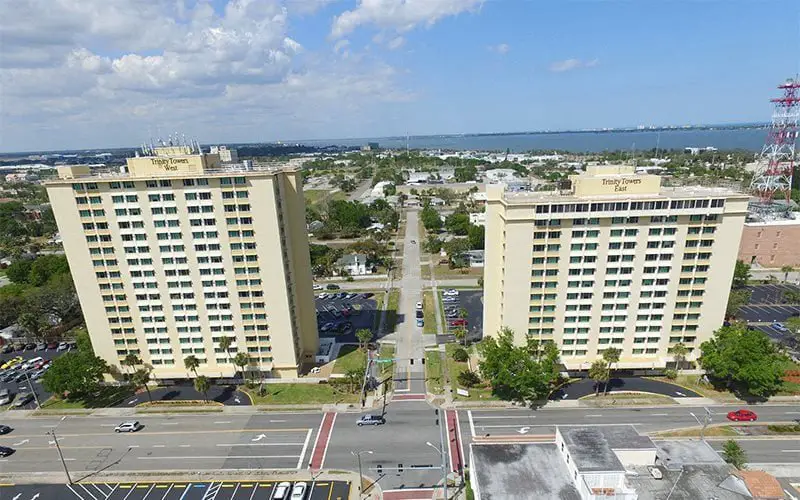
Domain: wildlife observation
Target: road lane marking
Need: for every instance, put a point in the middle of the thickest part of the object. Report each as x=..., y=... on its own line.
x=276, y=421
x=471, y=423
x=792, y=412
x=659, y=414
x=210, y=457
x=262, y=444
x=594, y=415
x=87, y=491
x=223, y=422
x=158, y=446
x=305, y=447
x=510, y=426
x=170, y=423
x=790, y=451
x=160, y=433
x=506, y=416
x=185, y=446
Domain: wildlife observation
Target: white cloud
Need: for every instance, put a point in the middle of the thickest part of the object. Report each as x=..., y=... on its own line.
x=571, y=64
x=81, y=73
x=400, y=15
x=396, y=43
x=306, y=6
x=501, y=48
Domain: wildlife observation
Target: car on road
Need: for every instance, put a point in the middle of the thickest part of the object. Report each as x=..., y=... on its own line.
x=413, y=242
x=12, y=362
x=5, y=396
x=370, y=420
x=332, y=286
x=4, y=429
x=23, y=398
x=299, y=491
x=282, y=491
x=6, y=451
x=63, y=346
x=419, y=305
x=780, y=327
x=130, y=426
x=317, y=286
x=742, y=416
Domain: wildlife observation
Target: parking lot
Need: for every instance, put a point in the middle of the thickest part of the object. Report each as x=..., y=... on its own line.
x=217, y=490
x=340, y=314
x=472, y=301
x=16, y=387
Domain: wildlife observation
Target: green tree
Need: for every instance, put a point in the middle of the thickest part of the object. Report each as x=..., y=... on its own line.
x=225, y=344
x=34, y=324
x=242, y=360
x=679, y=352
x=465, y=174
x=457, y=223
x=741, y=274
x=734, y=454
x=455, y=249
x=433, y=244
x=19, y=270
x=75, y=374
x=460, y=334
x=476, y=236
x=611, y=356
x=786, y=270
x=46, y=266
x=131, y=360
x=141, y=379
x=57, y=298
x=191, y=363
x=353, y=378
x=744, y=359
x=364, y=335
x=519, y=373
x=202, y=384
x=793, y=324
x=737, y=298
x=792, y=297
x=460, y=354
x=389, y=190
x=468, y=378
x=430, y=218
x=600, y=374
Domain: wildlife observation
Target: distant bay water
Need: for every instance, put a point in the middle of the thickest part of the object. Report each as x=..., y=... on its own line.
x=577, y=142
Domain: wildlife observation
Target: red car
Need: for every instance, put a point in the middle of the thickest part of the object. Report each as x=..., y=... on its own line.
x=458, y=322
x=742, y=416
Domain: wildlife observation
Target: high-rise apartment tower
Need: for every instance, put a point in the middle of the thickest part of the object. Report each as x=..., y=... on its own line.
x=616, y=260
x=178, y=251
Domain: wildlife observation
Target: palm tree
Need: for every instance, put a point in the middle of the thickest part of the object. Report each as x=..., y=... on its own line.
x=242, y=360
x=131, y=360
x=786, y=270
x=600, y=374
x=679, y=352
x=191, y=363
x=225, y=344
x=141, y=378
x=202, y=384
x=460, y=334
x=611, y=356
x=364, y=335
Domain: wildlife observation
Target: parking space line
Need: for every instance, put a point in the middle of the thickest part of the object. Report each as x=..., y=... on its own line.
x=133, y=488
x=186, y=490
x=152, y=487
x=87, y=491
x=167, y=492
x=75, y=492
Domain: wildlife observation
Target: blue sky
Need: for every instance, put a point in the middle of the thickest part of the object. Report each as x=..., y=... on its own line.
x=262, y=70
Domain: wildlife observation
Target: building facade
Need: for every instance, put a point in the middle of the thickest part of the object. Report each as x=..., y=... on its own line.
x=771, y=243
x=615, y=261
x=180, y=251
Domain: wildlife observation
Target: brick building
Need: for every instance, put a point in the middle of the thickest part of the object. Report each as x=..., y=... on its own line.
x=773, y=243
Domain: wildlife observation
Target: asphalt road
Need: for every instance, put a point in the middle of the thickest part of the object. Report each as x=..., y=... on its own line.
x=219, y=490
x=586, y=387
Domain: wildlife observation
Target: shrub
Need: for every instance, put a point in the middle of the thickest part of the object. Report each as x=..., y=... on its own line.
x=671, y=374
x=468, y=378
x=460, y=355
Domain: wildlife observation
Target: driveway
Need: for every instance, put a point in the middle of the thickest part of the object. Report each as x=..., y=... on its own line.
x=227, y=395
x=586, y=387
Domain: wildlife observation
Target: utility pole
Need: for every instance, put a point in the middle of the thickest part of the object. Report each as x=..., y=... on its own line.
x=60, y=455
x=357, y=454
x=706, y=420
x=35, y=397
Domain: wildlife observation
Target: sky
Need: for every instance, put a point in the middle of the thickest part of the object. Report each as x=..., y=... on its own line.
x=114, y=73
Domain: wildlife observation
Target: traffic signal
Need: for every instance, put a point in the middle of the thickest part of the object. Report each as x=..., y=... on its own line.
x=412, y=361
x=380, y=469
x=400, y=468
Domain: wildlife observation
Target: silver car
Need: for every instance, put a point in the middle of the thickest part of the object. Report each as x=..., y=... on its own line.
x=5, y=396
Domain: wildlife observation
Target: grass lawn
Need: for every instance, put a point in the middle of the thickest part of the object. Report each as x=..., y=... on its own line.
x=425, y=271
x=444, y=271
x=454, y=368
x=387, y=352
x=391, y=310
x=318, y=195
x=429, y=312
x=434, y=378
x=105, y=397
x=350, y=358
x=706, y=390
x=710, y=431
x=297, y=394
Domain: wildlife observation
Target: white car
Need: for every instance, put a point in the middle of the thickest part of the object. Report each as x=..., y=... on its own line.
x=780, y=327
x=318, y=287
x=282, y=491
x=322, y=296
x=131, y=426
x=299, y=491
x=419, y=305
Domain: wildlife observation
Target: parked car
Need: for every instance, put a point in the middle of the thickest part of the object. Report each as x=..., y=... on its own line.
x=452, y=292
x=458, y=322
x=420, y=322
x=23, y=398
x=63, y=346
x=21, y=377
x=130, y=426
x=4, y=429
x=52, y=345
x=742, y=416
x=332, y=286
x=19, y=347
x=6, y=451
x=5, y=396
x=41, y=346
x=419, y=305
x=8, y=348
x=30, y=346
x=299, y=491
x=449, y=300
x=327, y=326
x=317, y=286
x=780, y=327
x=8, y=377
x=370, y=420
x=32, y=362
x=12, y=362
x=322, y=296
x=282, y=491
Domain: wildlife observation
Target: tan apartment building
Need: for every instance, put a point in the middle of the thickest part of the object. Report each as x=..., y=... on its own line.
x=771, y=243
x=617, y=261
x=178, y=251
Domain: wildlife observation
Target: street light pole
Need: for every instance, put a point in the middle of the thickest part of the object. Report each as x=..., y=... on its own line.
x=704, y=423
x=52, y=432
x=357, y=454
x=35, y=397
x=444, y=467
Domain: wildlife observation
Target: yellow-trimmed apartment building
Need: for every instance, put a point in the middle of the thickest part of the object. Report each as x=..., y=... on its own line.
x=616, y=260
x=177, y=251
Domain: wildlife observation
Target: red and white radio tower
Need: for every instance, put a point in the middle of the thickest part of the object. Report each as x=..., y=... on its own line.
x=778, y=155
